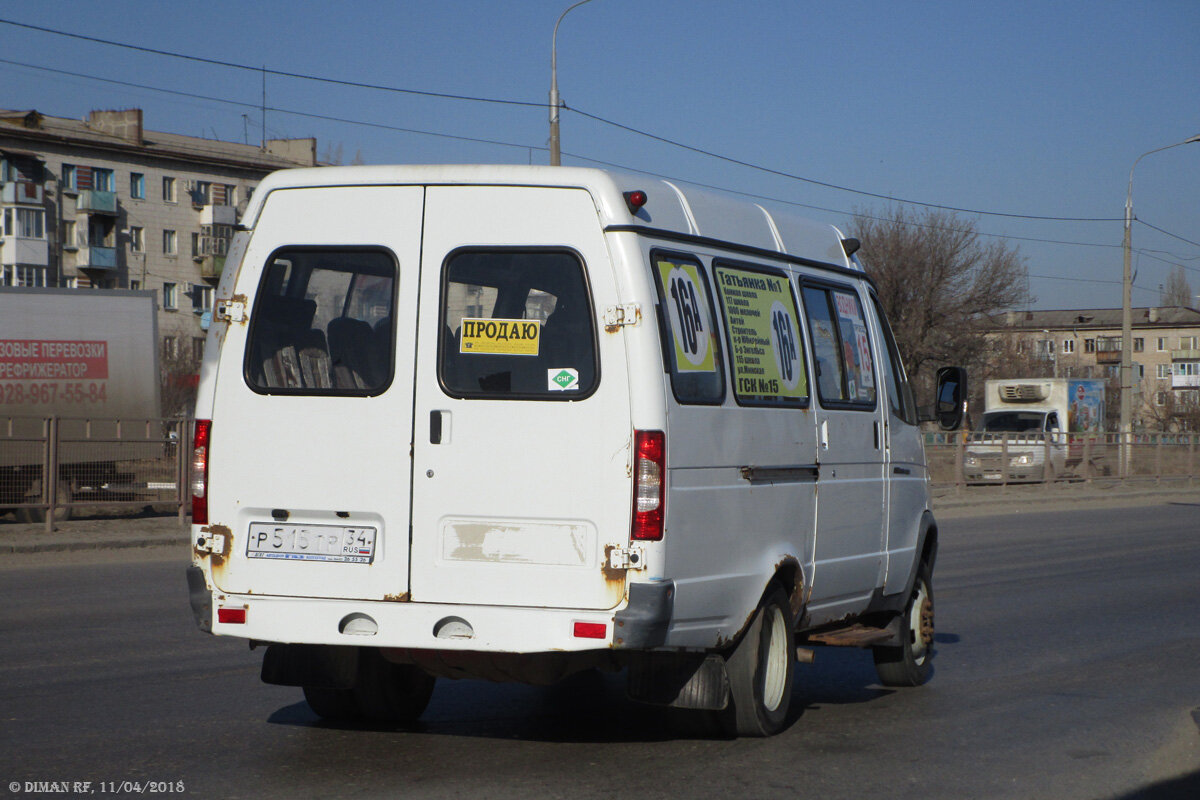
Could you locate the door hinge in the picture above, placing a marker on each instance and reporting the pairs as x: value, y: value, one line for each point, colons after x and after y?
x: 627, y: 558
x: 233, y: 310
x: 211, y: 543
x: 618, y: 316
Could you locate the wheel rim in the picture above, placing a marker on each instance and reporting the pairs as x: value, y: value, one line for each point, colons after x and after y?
x: 920, y: 622
x: 776, y: 668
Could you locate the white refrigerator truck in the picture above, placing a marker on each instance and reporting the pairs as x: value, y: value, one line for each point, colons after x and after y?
x: 518, y: 422
x: 86, y: 359
x: 1038, y: 429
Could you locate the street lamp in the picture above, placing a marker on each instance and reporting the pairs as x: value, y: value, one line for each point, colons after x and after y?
x: 555, y: 152
x: 1127, y: 316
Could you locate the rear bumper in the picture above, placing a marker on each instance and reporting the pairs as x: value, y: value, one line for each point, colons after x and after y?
x: 640, y: 623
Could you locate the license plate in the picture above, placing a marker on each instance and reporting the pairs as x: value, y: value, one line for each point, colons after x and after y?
x: 337, y: 543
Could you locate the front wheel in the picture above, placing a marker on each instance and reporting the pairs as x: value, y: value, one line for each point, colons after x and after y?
x: 761, y: 667
x: 911, y: 662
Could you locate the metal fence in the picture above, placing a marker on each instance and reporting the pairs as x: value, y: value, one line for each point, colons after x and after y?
x: 51, y: 468
x: 974, y: 459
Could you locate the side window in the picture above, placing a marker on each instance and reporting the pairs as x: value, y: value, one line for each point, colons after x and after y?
x: 841, y: 348
x: 694, y: 351
x: 323, y: 323
x: 900, y: 397
x: 517, y: 324
x: 763, y: 327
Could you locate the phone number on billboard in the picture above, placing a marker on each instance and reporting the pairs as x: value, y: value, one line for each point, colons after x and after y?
x: 46, y: 393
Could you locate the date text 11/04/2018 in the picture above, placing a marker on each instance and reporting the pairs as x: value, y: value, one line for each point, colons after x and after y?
x: 17, y: 393
x: 97, y: 787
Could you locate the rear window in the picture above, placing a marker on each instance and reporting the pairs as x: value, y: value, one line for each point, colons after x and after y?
x: 693, y: 348
x: 517, y: 324
x: 322, y: 323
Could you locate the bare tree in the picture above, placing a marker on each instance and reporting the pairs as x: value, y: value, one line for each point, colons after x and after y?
x: 938, y: 282
x: 179, y: 372
x: 1177, y: 292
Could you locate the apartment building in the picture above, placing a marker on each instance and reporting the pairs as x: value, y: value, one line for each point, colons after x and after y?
x: 103, y: 203
x: 1087, y: 344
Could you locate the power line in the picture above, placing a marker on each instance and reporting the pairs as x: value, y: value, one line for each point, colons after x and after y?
x: 793, y: 176
x: 1168, y: 233
x: 256, y: 106
x: 343, y: 120
x: 279, y: 73
x: 517, y: 145
x: 588, y: 115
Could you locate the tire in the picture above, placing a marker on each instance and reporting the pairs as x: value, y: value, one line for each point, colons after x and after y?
x: 761, y: 669
x: 393, y: 693
x: 336, y: 705
x: 911, y: 662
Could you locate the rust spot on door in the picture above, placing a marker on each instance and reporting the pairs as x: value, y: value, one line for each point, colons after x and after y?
x: 406, y: 597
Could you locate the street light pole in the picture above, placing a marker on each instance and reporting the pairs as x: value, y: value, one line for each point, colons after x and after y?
x: 1127, y: 316
x: 555, y: 103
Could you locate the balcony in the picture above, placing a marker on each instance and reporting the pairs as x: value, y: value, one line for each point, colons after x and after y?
x: 93, y: 201
x: 96, y: 257
x: 1185, y: 355
x: 23, y: 252
x: 21, y: 193
x: 1108, y: 356
x: 218, y: 215
x: 211, y: 267
x: 1185, y: 381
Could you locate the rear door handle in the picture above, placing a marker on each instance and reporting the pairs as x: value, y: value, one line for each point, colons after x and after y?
x: 439, y: 427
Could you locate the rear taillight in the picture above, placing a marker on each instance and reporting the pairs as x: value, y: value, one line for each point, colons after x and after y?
x: 649, y: 480
x: 200, y: 472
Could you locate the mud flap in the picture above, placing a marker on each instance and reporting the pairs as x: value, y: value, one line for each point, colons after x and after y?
x: 310, y: 665
x: 695, y: 681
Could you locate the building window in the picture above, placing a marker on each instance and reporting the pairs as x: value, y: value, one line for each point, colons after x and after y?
x: 102, y: 179
x: 170, y: 347
x: 1162, y: 344
x: 70, y: 180
x: 168, y: 190
x: 202, y: 194
x: 22, y: 276
x: 170, y: 296
x: 1187, y: 342
x: 1089, y: 345
x: 137, y: 186
x: 30, y: 223
x: 137, y: 239
x: 1068, y: 346
x: 170, y: 243
x: 1139, y: 345
x: 1164, y: 371
x: 135, y: 285
x: 202, y: 298
x: 1160, y: 399
x: 69, y: 234
x: 198, y: 348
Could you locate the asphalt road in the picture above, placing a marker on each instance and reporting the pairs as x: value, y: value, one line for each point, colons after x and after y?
x: 1068, y: 666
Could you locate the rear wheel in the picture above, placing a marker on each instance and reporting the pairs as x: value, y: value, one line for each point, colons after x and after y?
x: 911, y: 662
x: 761, y: 668
x: 337, y: 705
x: 388, y: 692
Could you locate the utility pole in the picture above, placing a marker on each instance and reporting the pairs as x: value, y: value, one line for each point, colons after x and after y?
x: 555, y: 102
x: 1127, y: 318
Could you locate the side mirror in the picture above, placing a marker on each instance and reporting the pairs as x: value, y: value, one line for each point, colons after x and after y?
x: 951, y: 402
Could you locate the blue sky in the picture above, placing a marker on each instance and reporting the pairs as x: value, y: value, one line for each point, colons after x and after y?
x: 1023, y: 108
